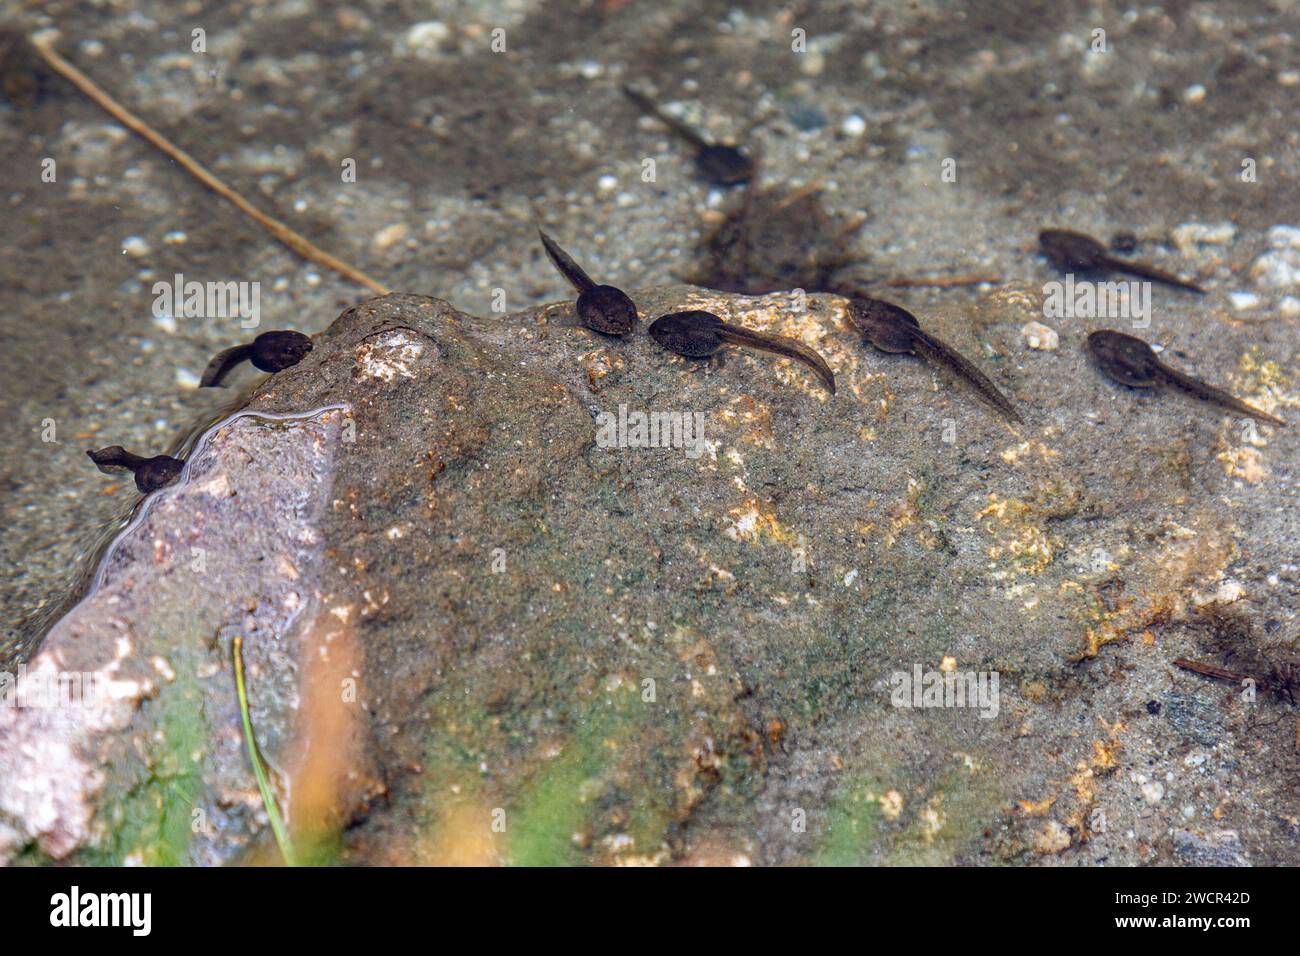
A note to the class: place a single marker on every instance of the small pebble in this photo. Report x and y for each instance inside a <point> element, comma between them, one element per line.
<point>1289,306</point>
<point>1284,237</point>
<point>812,62</point>
<point>1153,792</point>
<point>424,39</point>
<point>1194,93</point>
<point>166,322</point>
<point>175,238</point>
<point>1191,234</point>
<point>135,247</point>
<point>1039,336</point>
<point>854,125</point>
<point>607,183</point>
<point>1244,300</point>
<point>186,379</point>
<point>389,236</point>
<point>1279,268</point>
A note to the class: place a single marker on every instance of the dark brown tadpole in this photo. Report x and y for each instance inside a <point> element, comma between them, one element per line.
<point>775,240</point>
<point>699,334</point>
<point>1075,252</point>
<point>719,163</point>
<point>150,473</point>
<point>269,352</point>
<point>1128,360</point>
<point>601,308</point>
<point>25,78</point>
<point>892,328</point>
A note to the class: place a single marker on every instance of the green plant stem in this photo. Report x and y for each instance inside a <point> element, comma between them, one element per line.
<point>255,756</point>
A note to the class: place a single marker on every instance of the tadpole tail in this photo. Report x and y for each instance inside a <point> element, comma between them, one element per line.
<point>1154,274</point>
<point>780,345</point>
<point>650,108</point>
<point>1199,389</point>
<point>221,365</point>
<point>114,459</point>
<point>935,351</point>
<point>564,263</point>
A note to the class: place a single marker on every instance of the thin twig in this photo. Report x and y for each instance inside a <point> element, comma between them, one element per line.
<point>294,240</point>
<point>255,757</point>
<point>1211,670</point>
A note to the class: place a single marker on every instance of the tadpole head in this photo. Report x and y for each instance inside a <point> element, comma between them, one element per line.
<point>724,165</point>
<point>158,472</point>
<point>888,327</point>
<point>608,310</point>
<point>277,351</point>
<point>150,473</point>
<point>1124,358</point>
<point>1072,251</point>
<point>694,334</point>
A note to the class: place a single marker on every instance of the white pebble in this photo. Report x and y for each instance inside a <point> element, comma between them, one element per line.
<point>1244,300</point>
<point>1194,93</point>
<point>854,125</point>
<point>1279,268</point>
<point>388,237</point>
<point>166,322</point>
<point>186,379</point>
<point>1039,336</point>
<point>1191,234</point>
<point>135,247</point>
<point>1289,306</point>
<point>1284,237</point>
<point>175,237</point>
<point>607,183</point>
<point>1152,792</point>
<point>423,39</point>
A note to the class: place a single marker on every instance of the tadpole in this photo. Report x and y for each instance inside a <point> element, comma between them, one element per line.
<point>699,334</point>
<point>269,352</point>
<point>775,240</point>
<point>601,308</point>
<point>719,163</point>
<point>892,328</point>
<point>1073,251</point>
<point>150,473</point>
<point>1130,361</point>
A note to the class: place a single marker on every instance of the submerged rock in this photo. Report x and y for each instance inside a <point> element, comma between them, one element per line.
<point>513,592</point>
